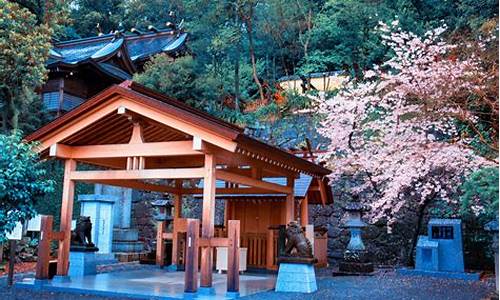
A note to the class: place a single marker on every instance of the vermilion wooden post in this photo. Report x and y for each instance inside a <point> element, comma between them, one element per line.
<point>191,271</point>
<point>233,256</point>
<point>66,215</point>
<point>304,211</point>
<point>160,245</point>
<point>270,249</point>
<point>290,201</point>
<point>207,230</point>
<point>175,229</point>
<point>42,263</point>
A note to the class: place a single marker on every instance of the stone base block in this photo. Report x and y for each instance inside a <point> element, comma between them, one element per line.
<point>440,274</point>
<point>82,263</point>
<point>127,246</point>
<point>128,234</point>
<point>296,277</point>
<point>356,267</point>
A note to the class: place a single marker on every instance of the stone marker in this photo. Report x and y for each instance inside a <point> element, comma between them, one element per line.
<point>440,253</point>
<point>296,266</point>
<point>100,209</point>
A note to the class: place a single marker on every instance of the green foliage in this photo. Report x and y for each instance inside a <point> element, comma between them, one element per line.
<point>24,48</point>
<point>53,13</point>
<point>480,195</point>
<point>22,181</point>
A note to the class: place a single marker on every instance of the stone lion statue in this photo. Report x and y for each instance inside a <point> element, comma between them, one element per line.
<point>297,240</point>
<point>82,235</point>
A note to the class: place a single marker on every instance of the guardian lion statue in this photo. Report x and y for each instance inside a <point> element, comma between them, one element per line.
<point>297,240</point>
<point>82,235</point>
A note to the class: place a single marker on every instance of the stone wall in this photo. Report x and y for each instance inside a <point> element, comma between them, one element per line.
<point>393,248</point>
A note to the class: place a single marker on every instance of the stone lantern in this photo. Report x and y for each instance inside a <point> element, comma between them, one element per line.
<point>355,256</point>
<point>163,210</point>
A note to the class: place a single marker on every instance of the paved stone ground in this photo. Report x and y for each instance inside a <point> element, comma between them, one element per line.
<point>386,285</point>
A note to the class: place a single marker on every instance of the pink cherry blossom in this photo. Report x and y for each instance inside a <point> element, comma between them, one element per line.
<point>397,128</point>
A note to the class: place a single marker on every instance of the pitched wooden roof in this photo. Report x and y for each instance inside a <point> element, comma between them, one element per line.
<point>110,128</point>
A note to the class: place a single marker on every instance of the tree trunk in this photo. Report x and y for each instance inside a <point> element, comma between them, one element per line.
<point>251,50</point>
<point>410,261</point>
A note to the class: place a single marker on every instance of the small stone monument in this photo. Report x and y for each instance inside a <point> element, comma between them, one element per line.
<point>356,260</point>
<point>82,251</point>
<point>492,227</point>
<point>440,252</point>
<point>100,209</point>
<point>296,265</point>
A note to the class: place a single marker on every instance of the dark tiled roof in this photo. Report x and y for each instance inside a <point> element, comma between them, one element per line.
<point>101,47</point>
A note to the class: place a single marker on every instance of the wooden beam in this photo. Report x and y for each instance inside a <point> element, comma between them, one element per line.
<point>175,148</point>
<point>230,191</point>
<point>137,185</point>
<point>235,178</point>
<point>180,173</point>
<point>208,219</point>
<point>68,191</point>
<point>213,242</point>
<point>181,125</point>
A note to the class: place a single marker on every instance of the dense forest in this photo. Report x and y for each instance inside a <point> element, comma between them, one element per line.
<point>239,49</point>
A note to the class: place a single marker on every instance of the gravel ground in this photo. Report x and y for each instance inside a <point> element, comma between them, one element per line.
<point>384,286</point>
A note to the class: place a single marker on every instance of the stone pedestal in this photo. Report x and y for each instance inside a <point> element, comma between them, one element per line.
<point>82,263</point>
<point>296,277</point>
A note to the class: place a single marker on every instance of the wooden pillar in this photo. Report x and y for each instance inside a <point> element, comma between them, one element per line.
<point>207,230</point>
<point>270,249</point>
<point>233,256</point>
<point>290,201</point>
<point>160,245</point>
<point>191,271</point>
<point>177,215</point>
<point>42,263</point>
<point>304,211</point>
<point>66,215</point>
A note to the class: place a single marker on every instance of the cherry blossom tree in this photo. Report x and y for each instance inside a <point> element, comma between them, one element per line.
<point>408,129</point>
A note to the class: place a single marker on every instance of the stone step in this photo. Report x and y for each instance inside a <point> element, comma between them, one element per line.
<point>131,235</point>
<point>127,246</point>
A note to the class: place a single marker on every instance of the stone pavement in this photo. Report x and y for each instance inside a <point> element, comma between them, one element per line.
<point>386,285</point>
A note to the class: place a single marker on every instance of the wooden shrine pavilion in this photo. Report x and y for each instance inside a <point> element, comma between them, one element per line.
<point>139,139</point>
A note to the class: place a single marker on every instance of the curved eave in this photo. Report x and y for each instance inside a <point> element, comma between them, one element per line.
<point>170,48</point>
<point>250,146</point>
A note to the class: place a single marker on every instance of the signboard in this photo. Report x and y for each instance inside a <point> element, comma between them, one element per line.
<point>35,223</point>
<point>17,232</point>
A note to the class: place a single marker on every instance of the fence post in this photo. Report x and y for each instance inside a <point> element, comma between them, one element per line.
<point>191,257</point>
<point>233,256</point>
<point>42,264</point>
